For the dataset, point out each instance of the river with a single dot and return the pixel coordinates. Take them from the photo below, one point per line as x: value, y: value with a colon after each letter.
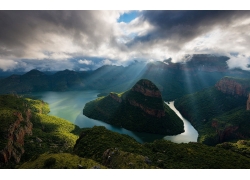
x: 69, y: 105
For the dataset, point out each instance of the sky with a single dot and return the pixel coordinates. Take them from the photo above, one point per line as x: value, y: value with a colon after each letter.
x: 52, y: 40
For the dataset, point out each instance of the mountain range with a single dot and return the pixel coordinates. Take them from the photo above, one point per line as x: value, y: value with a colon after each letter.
x: 173, y: 79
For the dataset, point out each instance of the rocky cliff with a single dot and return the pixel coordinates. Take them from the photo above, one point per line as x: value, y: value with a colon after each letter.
x: 248, y: 102
x: 14, y: 137
x: 234, y: 86
x: 147, y: 88
x: 139, y: 109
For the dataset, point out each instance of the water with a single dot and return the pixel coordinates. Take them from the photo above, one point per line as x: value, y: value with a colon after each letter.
x: 69, y: 105
x: 190, y: 134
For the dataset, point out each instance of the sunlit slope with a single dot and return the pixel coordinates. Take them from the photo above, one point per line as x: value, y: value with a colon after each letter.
x: 217, y: 116
x: 139, y: 109
x: 27, y: 131
x: 115, y: 150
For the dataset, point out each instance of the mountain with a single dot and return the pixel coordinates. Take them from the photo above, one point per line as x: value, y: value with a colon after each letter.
x: 140, y: 109
x: 173, y: 79
x: 218, y: 113
x: 34, y: 80
x: 234, y: 86
x: 64, y: 80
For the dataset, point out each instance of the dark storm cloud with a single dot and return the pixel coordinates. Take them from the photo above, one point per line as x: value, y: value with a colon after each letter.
x: 22, y: 30
x: 175, y: 28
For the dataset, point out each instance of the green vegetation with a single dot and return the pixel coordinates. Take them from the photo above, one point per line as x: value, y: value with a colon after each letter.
x: 241, y: 146
x: 98, y: 143
x: 135, y: 111
x: 49, y: 133
x: 216, y: 116
x: 55, y: 144
x: 57, y: 135
x: 60, y: 161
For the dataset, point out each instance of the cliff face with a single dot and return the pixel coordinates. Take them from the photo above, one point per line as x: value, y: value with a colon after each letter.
x: 15, y: 138
x: 153, y: 112
x: 147, y: 88
x: 248, y: 102
x: 232, y: 86
x: 115, y: 97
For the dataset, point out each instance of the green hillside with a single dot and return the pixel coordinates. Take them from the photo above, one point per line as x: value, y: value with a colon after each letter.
x: 44, y: 133
x: 136, y: 111
x: 97, y: 142
x: 216, y: 116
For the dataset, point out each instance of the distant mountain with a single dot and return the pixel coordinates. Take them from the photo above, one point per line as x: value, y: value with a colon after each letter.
x: 139, y: 109
x: 64, y: 80
x: 173, y: 79
x: 234, y: 86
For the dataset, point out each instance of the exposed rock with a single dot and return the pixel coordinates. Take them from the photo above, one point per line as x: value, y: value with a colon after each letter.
x: 147, y: 88
x: 15, y: 138
x: 147, y: 160
x: 223, y: 132
x: 38, y: 140
x: 115, y: 97
x: 233, y: 87
x: 248, y: 102
x: 153, y: 112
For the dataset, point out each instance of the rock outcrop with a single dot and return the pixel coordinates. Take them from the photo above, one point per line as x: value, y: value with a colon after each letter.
x: 15, y: 138
x: 147, y: 88
x: 153, y: 112
x: 115, y: 97
x: 248, y: 102
x: 233, y: 86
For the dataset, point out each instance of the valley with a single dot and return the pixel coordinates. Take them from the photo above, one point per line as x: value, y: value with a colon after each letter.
x: 130, y: 114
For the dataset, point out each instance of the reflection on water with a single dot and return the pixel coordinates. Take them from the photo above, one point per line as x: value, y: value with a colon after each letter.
x: 69, y: 105
x: 190, y: 134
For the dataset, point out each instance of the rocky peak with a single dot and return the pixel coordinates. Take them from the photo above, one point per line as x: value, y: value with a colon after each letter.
x: 233, y: 86
x: 147, y: 88
x: 149, y: 95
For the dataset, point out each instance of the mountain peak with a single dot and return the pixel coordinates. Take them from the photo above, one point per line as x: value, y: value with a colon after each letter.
x: 34, y: 72
x: 147, y: 88
x: 139, y: 109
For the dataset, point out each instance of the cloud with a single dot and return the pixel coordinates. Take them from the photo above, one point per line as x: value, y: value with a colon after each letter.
x: 85, y: 61
x: 64, y: 39
x: 239, y: 61
x: 54, y: 34
x: 106, y: 62
x: 7, y: 64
